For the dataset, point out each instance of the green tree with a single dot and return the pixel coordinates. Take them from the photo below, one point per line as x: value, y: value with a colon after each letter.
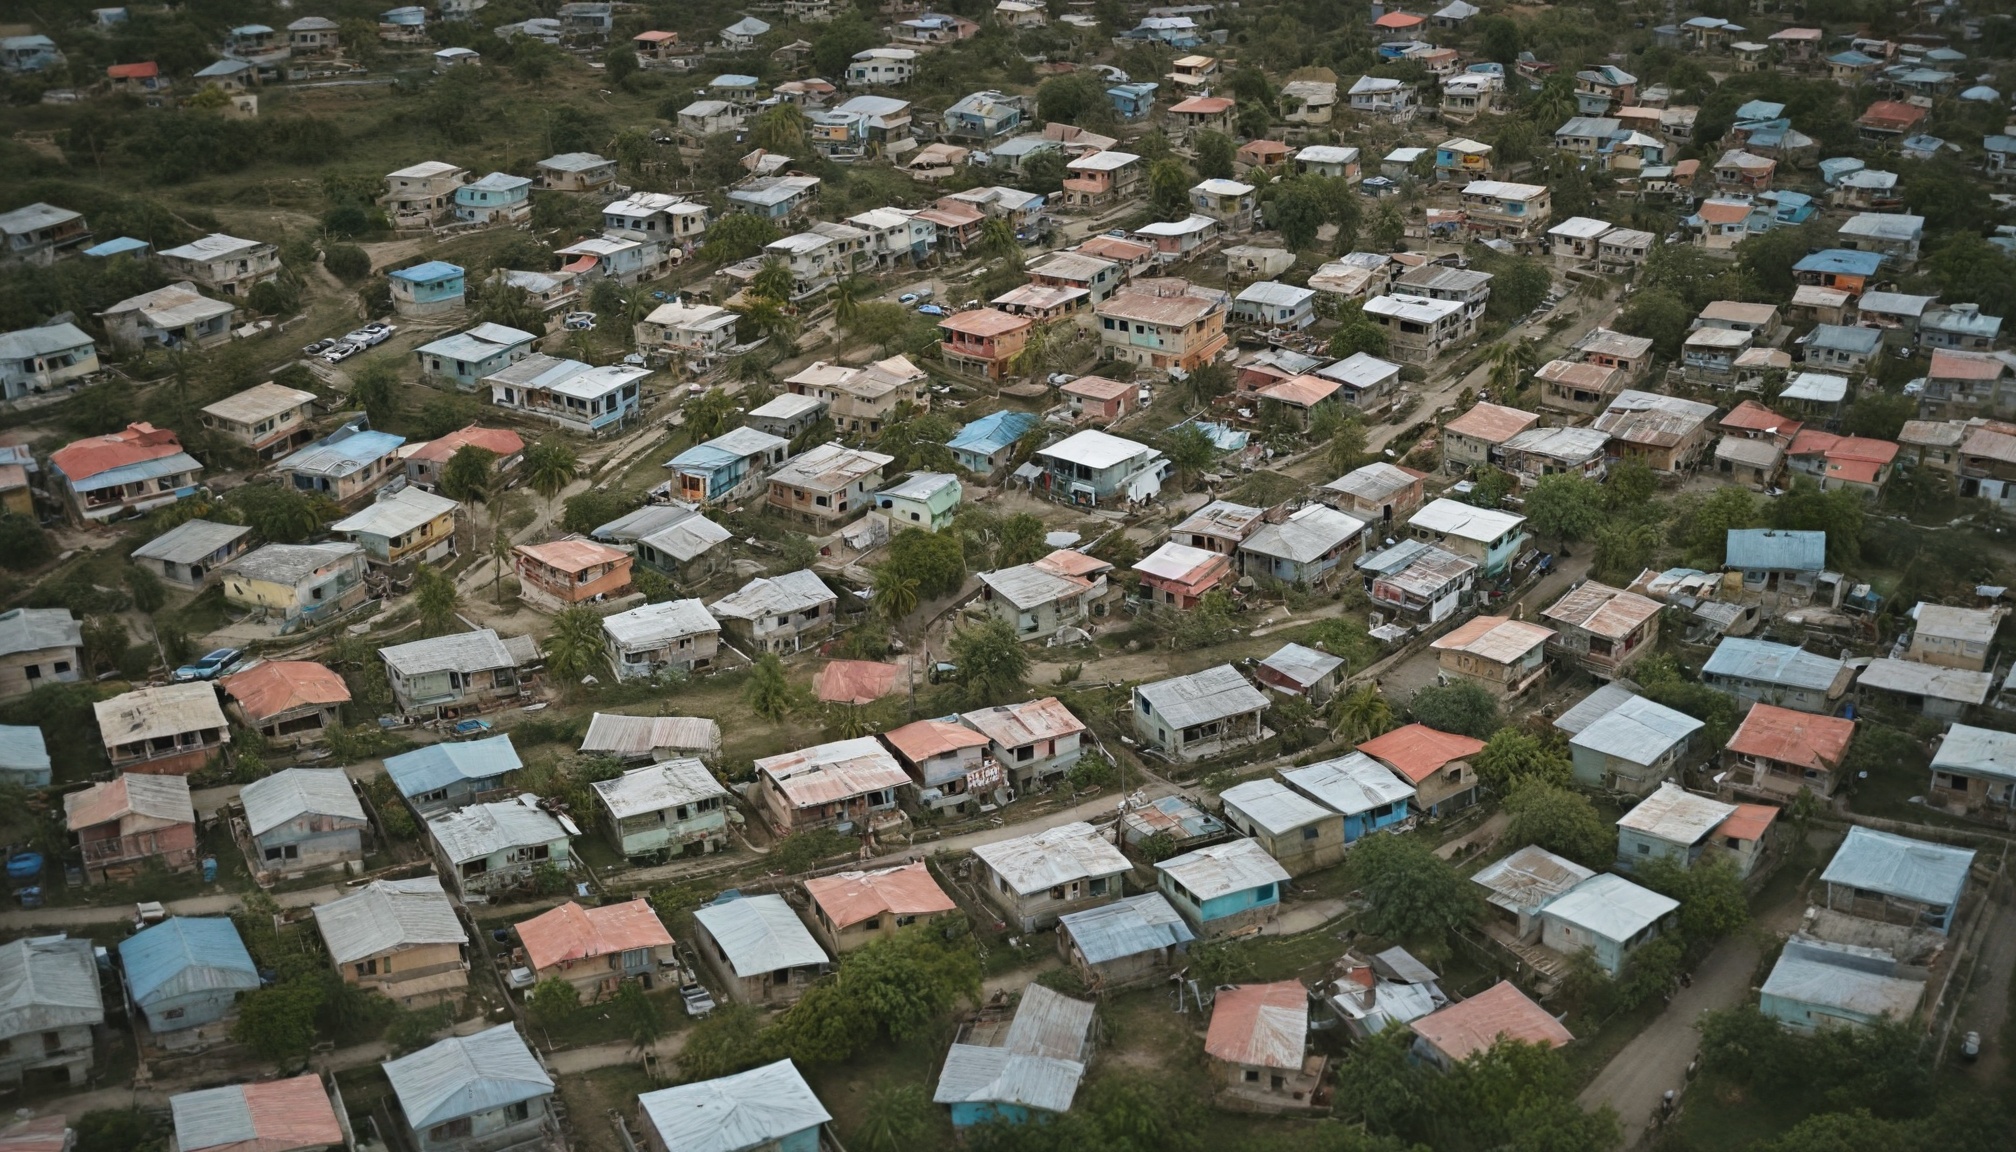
x: 575, y: 646
x: 1190, y: 452
x: 1380, y: 1083
x: 375, y: 388
x: 280, y: 515
x: 470, y: 476
x: 1412, y: 894
x: 1513, y: 756
x: 1356, y: 334
x: 1389, y: 227
x: 737, y: 236
x: 23, y: 543
x: 1346, y: 450
x: 1360, y: 714
x: 1562, y: 822
x: 552, y: 1002
x: 840, y: 41
x: 1879, y: 415
x: 1214, y: 155
x: 1168, y: 189
x: 731, y: 1039
x: 993, y: 666
x: 347, y: 262
x: 1566, y: 506
x: 781, y: 129
x: 278, y: 1022
x: 638, y: 1014
x: 1710, y: 891
x: 768, y: 693
x: 437, y: 600
x: 1703, y: 528
x: 145, y: 586
x: 894, y: 1118
x: 550, y: 466
x: 998, y: 242
x: 1297, y: 210
x: 880, y: 322
x: 1658, y: 316
x: 1838, y: 512
x: 936, y: 560
x: 1463, y: 708
x: 1518, y: 287
x: 1019, y: 541
x: 895, y: 593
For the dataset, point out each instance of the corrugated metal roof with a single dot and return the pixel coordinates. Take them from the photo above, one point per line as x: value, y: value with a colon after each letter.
x: 388, y: 915
x: 397, y: 513
x: 1792, y: 737
x: 644, y: 735
x: 190, y: 541
x: 46, y: 983
x: 273, y: 687
x: 1676, y: 815
x: 1051, y: 1024
x: 465, y: 1076
x: 1129, y: 927
x: 484, y: 829
x: 1977, y: 752
x: 1043, y: 860
x: 462, y: 652
x: 848, y: 898
x: 1914, y: 679
x: 753, y: 1109
x: 1596, y: 704
x: 837, y: 770
x: 1900, y: 866
x: 1501, y: 1011
x: 185, y: 954
x: 22, y: 749
x: 650, y: 624
x: 1304, y: 666
x: 273, y: 1116
x: 1222, y: 869
x: 1260, y: 1025
x: 1638, y: 731
x: 155, y: 713
x: 1610, y: 906
x: 1498, y: 639
x: 572, y: 932
x: 657, y: 787
x: 774, y: 596
x: 1465, y: 521
x: 1527, y: 879
x: 1770, y: 663
x: 1306, y: 536
x: 1202, y: 697
x: 158, y: 799
x: 1977, y: 625
x: 760, y: 934
x: 33, y: 629
x: 1842, y: 978
x: 1350, y: 784
x: 274, y: 800
x: 975, y: 1074
x: 437, y: 766
x: 1016, y: 725
x: 1026, y: 586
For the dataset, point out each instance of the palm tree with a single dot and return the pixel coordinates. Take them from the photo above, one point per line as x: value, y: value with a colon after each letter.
x: 847, y: 295
x: 549, y: 467
x: 1021, y: 540
x: 752, y: 369
x: 437, y: 599
x: 575, y: 643
x: 768, y: 318
x: 1360, y: 714
x: 710, y: 414
x: 1190, y: 451
x: 895, y: 593
x: 773, y: 281
x: 997, y: 238
x: 781, y: 129
x: 1037, y: 352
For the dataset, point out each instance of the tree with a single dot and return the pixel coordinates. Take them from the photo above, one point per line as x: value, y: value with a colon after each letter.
x: 148, y: 595
x: 1518, y: 287
x: 23, y: 543
x: 1019, y: 541
x: 880, y: 322
x: 1072, y: 99
x: 1561, y: 821
x: 780, y: 130
x: 279, y: 1022
x: 550, y: 466
x: 280, y: 515
x: 1168, y: 188
x: 1463, y: 708
x: 773, y: 279
x: 1346, y: 450
x: 1703, y: 529
x: 1623, y: 550
x: 1360, y: 714
x: 1879, y: 415
x: 1489, y: 486
x: 575, y: 645
x: 639, y: 1015
x: 1837, y: 512
x: 346, y: 262
x: 1710, y: 891
x: 737, y: 236
x: 993, y: 666
x: 768, y: 693
x: 1389, y: 227
x: 1411, y: 894
x: 731, y: 1039
x: 895, y: 593
x: 1190, y: 451
x: 1356, y: 334
x: 552, y: 1002
x: 936, y: 560
x: 470, y: 475
x: 894, y: 1118
x: 437, y: 599
x: 1513, y: 756
x: 1566, y: 506
x: 998, y: 242
x: 1214, y: 155
x: 375, y: 388
x: 1658, y: 316
x: 1297, y: 210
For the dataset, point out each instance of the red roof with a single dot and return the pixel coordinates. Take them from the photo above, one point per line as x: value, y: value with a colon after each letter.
x: 285, y: 1115
x: 1418, y: 751
x: 502, y: 441
x: 1892, y: 114
x: 657, y: 37
x: 1964, y: 366
x: 135, y: 444
x: 277, y: 686
x: 1262, y: 1025
x: 851, y: 897
x: 1724, y: 211
x: 1492, y: 423
x: 1203, y: 105
x: 41, y: 1134
x: 1500, y: 1011
x: 1748, y: 822
x: 1750, y: 416
x: 144, y: 70
x: 1399, y: 20
x: 854, y: 681
x: 1797, y: 738
x: 1854, y: 458
x: 571, y: 932
x: 985, y: 322
x: 573, y: 555
x: 922, y: 739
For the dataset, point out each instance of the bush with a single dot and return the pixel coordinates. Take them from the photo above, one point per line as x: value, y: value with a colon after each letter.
x: 346, y: 262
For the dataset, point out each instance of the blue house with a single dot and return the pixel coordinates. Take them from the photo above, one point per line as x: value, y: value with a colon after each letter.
x: 498, y: 196
x: 1758, y: 112
x: 346, y: 465
x: 1897, y: 880
x: 985, y: 446
x: 727, y: 467
x: 1834, y: 168
x: 185, y: 973
x: 467, y: 357
x: 427, y: 289
x: 1030, y: 1070
x: 1368, y: 793
x: 982, y: 116
x: 1838, y: 268
x: 29, y: 53
x: 1223, y: 887
x: 1175, y: 31
x: 1818, y: 984
x: 119, y: 246
x: 1133, y: 101
x: 444, y: 776
x: 1789, y: 209
x: 769, y: 1108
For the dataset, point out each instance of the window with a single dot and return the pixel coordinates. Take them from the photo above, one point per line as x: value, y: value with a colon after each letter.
x: 366, y: 968
x: 1311, y: 832
x: 872, y: 924
x: 1644, y: 849
x: 284, y: 852
x: 1098, y: 886
x: 453, y: 1129
x: 1252, y: 1076
x: 522, y: 1110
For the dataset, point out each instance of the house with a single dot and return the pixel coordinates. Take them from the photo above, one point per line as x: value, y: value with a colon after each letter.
x: 1449, y: 1036
x: 1473, y: 440
x: 289, y: 587
x: 171, y: 318
x: 291, y: 1115
x: 1162, y: 324
x: 1298, y: 833
x: 759, y: 948
x: 1670, y: 824
x: 1298, y: 671
x: 1818, y: 984
x: 1308, y: 101
x: 1776, y: 559
x: 661, y: 216
x: 1334, y: 161
x: 1096, y: 470
x: 1037, y: 878
x: 1537, y: 453
x: 1054, y: 592
x: 1895, y: 235
x: 1665, y: 433
x: 1897, y: 880
x: 185, y: 974
x: 1419, y: 328
x: 850, y: 909
x: 1365, y: 792
x: 170, y: 730
x: 1462, y: 160
x: 131, y: 822
x: 1380, y: 97
x: 1197, y: 114
x: 1777, y: 674
x: 1378, y: 493
x: 650, y: 638
x: 490, y: 849
x: 1961, y: 326
x: 288, y: 702
x: 882, y: 67
x: 821, y: 486
x: 673, y: 807
x: 861, y: 400
x: 422, y: 195
x: 1608, y: 917
x: 1271, y: 304
x: 850, y: 783
x: 1887, y: 121
x: 37, y: 360
x: 24, y: 756
x: 1257, y: 1047
x: 1927, y: 689
x: 786, y: 416
x: 1521, y: 884
x: 1467, y: 95
x: 1622, y: 250
x: 986, y: 446
x: 985, y: 341
x: 1304, y: 549
x: 1839, y: 268
x: 427, y: 289
x: 445, y: 674
x: 1954, y: 637
x: 270, y: 419
x: 497, y: 198
x: 40, y: 233
x: 473, y: 1093
x: 596, y: 949
x: 575, y: 172
x: 302, y: 819
x: 412, y: 524
x: 190, y: 553
x: 925, y: 500
x: 1600, y: 89
x: 557, y: 576
x: 224, y: 264
x: 777, y: 614
x: 440, y: 777
x: 344, y: 466
x: 1777, y: 753
x: 774, y: 197
x: 1487, y: 537
x: 770, y: 1107
x: 674, y: 538
x: 1026, y: 1071
x: 1504, y: 210
x: 593, y: 401
x: 1200, y: 715
x: 1585, y: 135
x: 1960, y: 385
x: 1579, y: 388
x: 1097, y: 400
x: 1603, y: 629
x: 1177, y: 575
x: 1437, y: 765
x: 1973, y: 768
x: 653, y: 738
x: 1130, y: 941
x: 1632, y: 746
x: 1032, y: 741
x: 1224, y: 887
x: 467, y: 357
x: 1843, y: 349
x: 53, y: 1008
x: 1503, y: 655
x: 400, y: 937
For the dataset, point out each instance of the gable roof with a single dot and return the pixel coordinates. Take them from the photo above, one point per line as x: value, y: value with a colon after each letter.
x: 759, y: 934
x: 1900, y: 866
x: 388, y: 915
x: 571, y: 932
x: 1502, y: 1011
x: 848, y: 898
x: 293, y: 792
x: 271, y: 1116
x: 1260, y: 1025
x: 1417, y: 751
x: 1042, y: 860
x: 46, y: 983
x: 1201, y: 697
x: 1126, y: 927
x: 466, y: 1075
x: 753, y: 1109
x: 186, y: 954
x: 440, y: 765
x: 273, y: 687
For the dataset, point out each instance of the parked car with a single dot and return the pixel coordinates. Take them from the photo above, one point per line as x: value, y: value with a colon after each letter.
x: 211, y: 666
x: 930, y: 310
x: 341, y: 351
x: 579, y: 321
x: 317, y: 348
x: 699, y: 1002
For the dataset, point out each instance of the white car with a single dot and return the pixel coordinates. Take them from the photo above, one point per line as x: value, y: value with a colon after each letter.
x: 341, y: 352
x: 362, y: 338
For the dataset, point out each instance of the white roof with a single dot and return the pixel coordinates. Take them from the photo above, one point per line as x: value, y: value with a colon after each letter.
x: 1465, y: 521
x: 425, y: 170
x: 1173, y: 561
x: 760, y: 934
x: 1308, y: 535
x: 1043, y: 860
x: 1610, y: 906
x: 1202, y: 697
x: 1842, y: 977
x: 1580, y: 228
x: 1095, y: 450
x: 1222, y: 869
x: 1912, y: 678
x: 656, y: 787
x: 1900, y: 866
x: 1674, y: 814
x: 386, y: 915
x: 1351, y: 783
x: 292, y: 792
x: 396, y: 514
x: 650, y: 624
x: 1527, y: 879
x: 1327, y: 154
x: 1223, y: 187
x: 1820, y: 387
x: 773, y: 596
x: 753, y: 1109
x: 1103, y: 161
x: 1275, y: 294
x: 1503, y: 190
x: 1977, y: 752
x: 1417, y: 309
x: 1637, y: 731
x: 1274, y: 807
x: 1302, y: 664
x: 482, y: 829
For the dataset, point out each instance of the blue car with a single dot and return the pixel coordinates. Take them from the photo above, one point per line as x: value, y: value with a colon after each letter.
x: 210, y: 667
x: 930, y: 310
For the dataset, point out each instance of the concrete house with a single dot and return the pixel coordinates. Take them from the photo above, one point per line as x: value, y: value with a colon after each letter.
x: 1296, y: 670
x: 1163, y: 323
x: 759, y: 948
x: 1298, y: 833
x: 1897, y: 880
x: 985, y: 446
x: 1476, y: 439
x: 765, y: 1108
x: 400, y: 937
x: 1927, y: 689
x: 185, y: 975
x: 1200, y: 715
x: 843, y: 783
x: 270, y: 419
x: 1505, y: 210
x: 946, y: 761
x: 1036, y: 878
x: 290, y: 587
x: 651, y: 638
x: 850, y: 909
x: 777, y: 614
x: 1778, y: 674
x: 1502, y: 655
x: 1954, y: 637
x: 1365, y: 792
x: 827, y: 486
x: 227, y: 265
x: 1257, y: 1047
x: 1487, y: 537
x: 596, y: 949
x: 1032, y: 741
x: 303, y: 819
x: 121, y: 474
x: 431, y: 288
x: 40, y: 233
x: 493, y: 848
x: 1224, y: 887
x: 1666, y: 433
x: 1095, y: 469
x: 129, y: 821
x: 498, y: 197
x: 671, y: 808
x: 1632, y: 746
x: 1176, y: 576
x: 446, y: 674
x: 1449, y: 1036
x: 422, y: 195
x: 467, y: 357
x: 1817, y: 984
x: 1305, y: 549
x: 1973, y: 769
x: 53, y: 1008
x: 1019, y: 1070
x: 575, y: 172
x: 24, y: 756
x: 171, y: 730
x: 591, y: 401
x: 291, y: 1115
x: 439, y: 777
x: 925, y: 500
x: 1131, y: 941
x: 1777, y: 753
x: 346, y: 465
x: 1518, y: 886
x: 1054, y: 592
x: 1670, y: 824
x: 1378, y: 493
x: 36, y: 360
x: 480, y: 1093
x: 861, y: 400
x: 556, y: 576
x: 1220, y: 526
x: 1603, y: 629
x: 191, y: 553
x: 1419, y: 328
x: 1608, y: 917
x: 410, y: 525
x: 1435, y: 763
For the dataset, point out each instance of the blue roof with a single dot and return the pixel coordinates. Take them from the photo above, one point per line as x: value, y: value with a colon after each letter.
x: 115, y: 247
x: 1923, y: 142
x: 1128, y: 927
x: 343, y: 457
x: 1759, y: 110
x: 1851, y: 58
x: 429, y: 272
x: 144, y: 470
x: 1995, y: 143
x: 993, y: 432
x: 23, y: 750
x: 1900, y: 866
x: 1846, y: 338
x: 1841, y: 261
x: 1776, y: 549
x: 1769, y: 663
x: 734, y: 80
x: 704, y: 457
x: 185, y: 954
x: 439, y: 765
x: 1835, y: 167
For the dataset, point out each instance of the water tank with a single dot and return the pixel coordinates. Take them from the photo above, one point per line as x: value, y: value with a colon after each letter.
x: 23, y: 867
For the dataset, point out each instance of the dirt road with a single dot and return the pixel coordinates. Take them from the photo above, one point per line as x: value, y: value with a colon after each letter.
x: 1987, y: 1004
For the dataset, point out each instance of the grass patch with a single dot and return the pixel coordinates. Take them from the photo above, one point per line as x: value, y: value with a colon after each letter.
x: 846, y: 1089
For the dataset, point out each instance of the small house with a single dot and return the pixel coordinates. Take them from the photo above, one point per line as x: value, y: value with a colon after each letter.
x: 411, y: 525
x: 1777, y: 753
x: 1037, y: 599
x: 676, y: 635
x: 1502, y: 655
x: 400, y: 937
x: 1632, y: 746
x: 1475, y: 439
x: 492, y: 848
x: 500, y: 196
x: 480, y: 352
x: 24, y: 756
x: 924, y: 500
x: 777, y: 614
x: 302, y: 819
x: 1954, y: 637
x: 759, y: 948
x: 1671, y: 824
x: 987, y: 445
x: 1378, y: 493
x: 1224, y: 887
x: 1131, y: 941
x: 122, y: 474
x: 1177, y: 576
x: 1300, y: 834
x: 465, y: 1093
x: 1200, y: 715
x: 1038, y: 877
x: 653, y: 738
x: 270, y: 419
x: 192, y: 552
x: 596, y: 949
x: 185, y: 975
x: 826, y: 487
x: 1608, y: 917
x: 1097, y: 400
x: 40, y: 359
x: 1258, y: 1049
x: 291, y: 1115
x: 54, y: 1008
x: 1295, y: 670
x: 673, y: 807
x: 947, y: 762
x: 1973, y: 769
x: 1027, y: 1070
x: 1518, y: 886
x: 1665, y: 433
x: 580, y: 172
x: 1305, y: 549
x: 443, y: 675
x: 1760, y: 671
x: 1450, y: 1036
x: 1603, y: 629
x: 171, y: 730
x: 1818, y: 984
x: 425, y: 463
x: 557, y: 576
x: 1032, y: 741
x: 1928, y: 689
x: 1897, y: 880
x: 761, y: 1110
x: 850, y: 909
x: 1436, y: 763
x: 846, y: 783
x: 427, y: 289
x: 291, y: 587
x: 131, y: 822
x: 345, y: 466
x: 1368, y: 795
x: 1093, y: 469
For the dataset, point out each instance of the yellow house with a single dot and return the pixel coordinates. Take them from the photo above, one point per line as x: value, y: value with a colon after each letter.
x: 297, y: 585
x: 410, y: 524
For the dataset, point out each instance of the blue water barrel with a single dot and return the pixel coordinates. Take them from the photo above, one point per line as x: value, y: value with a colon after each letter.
x: 23, y: 867
x: 209, y: 870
